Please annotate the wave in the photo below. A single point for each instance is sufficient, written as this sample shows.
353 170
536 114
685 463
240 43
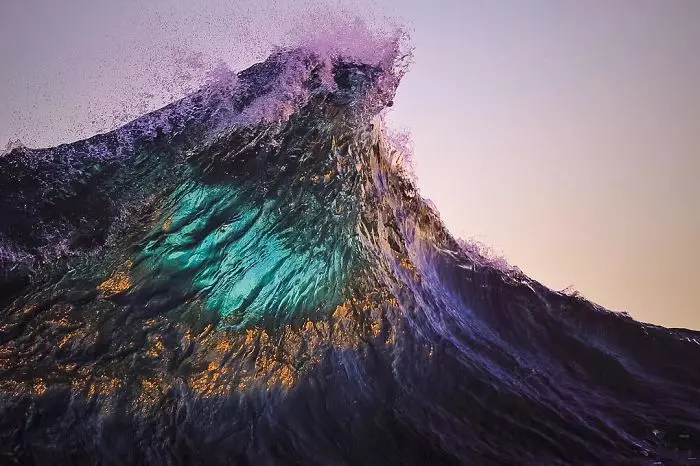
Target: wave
250 276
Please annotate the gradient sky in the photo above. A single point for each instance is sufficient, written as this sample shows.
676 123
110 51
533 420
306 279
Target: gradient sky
565 134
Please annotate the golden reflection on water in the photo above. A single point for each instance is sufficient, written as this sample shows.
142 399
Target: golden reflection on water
118 282
212 361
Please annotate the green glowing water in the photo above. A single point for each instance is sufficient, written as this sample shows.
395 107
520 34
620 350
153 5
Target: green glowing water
249 257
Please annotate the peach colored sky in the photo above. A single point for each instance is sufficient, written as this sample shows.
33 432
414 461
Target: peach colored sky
565 134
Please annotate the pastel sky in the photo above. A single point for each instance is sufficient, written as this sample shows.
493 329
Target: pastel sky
565 134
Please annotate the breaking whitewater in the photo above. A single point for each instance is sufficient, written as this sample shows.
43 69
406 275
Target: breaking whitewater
249 276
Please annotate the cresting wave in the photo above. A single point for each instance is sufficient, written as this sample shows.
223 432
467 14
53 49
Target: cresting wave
249 276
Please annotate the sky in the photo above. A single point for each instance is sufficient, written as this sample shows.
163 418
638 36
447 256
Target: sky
564 134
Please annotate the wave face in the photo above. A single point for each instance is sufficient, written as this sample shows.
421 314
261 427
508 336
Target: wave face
249 276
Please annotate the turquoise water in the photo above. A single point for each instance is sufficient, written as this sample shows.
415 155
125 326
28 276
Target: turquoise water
246 257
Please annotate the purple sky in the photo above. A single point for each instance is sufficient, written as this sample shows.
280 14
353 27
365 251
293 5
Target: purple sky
565 134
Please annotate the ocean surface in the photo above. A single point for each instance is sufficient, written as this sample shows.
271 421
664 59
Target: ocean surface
249 276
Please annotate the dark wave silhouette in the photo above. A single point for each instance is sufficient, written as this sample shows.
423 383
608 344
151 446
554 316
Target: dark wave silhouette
249 276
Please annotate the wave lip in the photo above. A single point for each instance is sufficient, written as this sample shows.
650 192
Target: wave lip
247 276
